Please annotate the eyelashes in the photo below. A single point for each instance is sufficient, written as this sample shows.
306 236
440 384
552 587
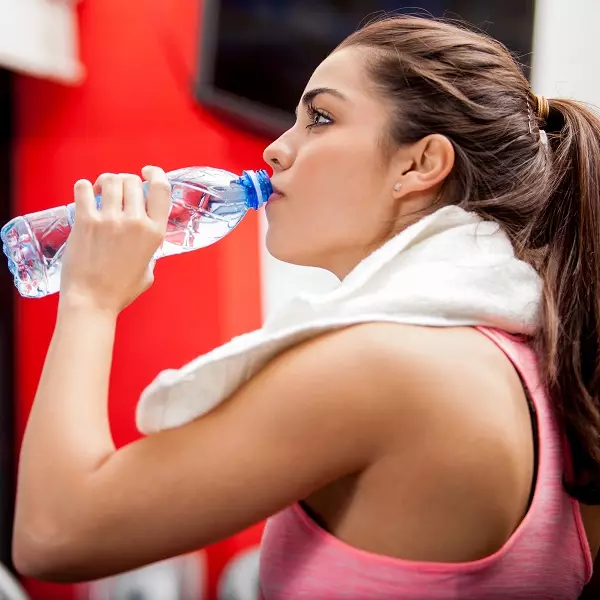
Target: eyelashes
317 117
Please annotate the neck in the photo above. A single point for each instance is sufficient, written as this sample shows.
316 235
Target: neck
343 264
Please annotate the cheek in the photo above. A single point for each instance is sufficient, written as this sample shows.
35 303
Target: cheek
337 168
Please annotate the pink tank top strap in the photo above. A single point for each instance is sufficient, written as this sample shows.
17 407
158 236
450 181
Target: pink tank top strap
523 358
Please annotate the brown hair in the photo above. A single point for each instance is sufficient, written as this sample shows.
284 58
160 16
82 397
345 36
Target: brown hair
542 188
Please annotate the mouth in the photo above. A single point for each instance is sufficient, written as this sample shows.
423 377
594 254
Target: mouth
276 195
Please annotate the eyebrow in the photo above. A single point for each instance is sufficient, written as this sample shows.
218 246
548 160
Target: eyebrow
309 96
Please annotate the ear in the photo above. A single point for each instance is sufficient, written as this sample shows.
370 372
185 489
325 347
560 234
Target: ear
425 165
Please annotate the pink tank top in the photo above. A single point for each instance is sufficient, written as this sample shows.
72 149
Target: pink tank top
546 558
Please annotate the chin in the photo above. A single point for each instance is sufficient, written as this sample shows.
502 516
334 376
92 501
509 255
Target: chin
286 251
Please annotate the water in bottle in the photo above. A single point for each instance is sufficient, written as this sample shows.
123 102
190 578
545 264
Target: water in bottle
206 204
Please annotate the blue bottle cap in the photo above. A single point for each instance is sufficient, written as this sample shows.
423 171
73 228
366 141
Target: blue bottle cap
257 185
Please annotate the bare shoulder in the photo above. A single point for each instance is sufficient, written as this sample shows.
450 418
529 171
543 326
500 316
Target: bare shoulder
441 370
449 391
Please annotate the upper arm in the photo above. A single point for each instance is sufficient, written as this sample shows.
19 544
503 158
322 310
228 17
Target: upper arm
311 416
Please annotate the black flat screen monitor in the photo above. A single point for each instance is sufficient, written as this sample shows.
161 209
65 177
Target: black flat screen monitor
255 56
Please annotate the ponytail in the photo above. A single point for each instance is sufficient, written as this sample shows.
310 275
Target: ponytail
568 343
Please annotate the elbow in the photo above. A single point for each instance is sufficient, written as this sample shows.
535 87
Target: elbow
45 555
27 560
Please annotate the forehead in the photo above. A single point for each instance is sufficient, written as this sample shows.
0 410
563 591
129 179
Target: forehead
345 71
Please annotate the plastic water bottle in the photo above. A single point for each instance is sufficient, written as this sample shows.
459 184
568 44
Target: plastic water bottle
207 204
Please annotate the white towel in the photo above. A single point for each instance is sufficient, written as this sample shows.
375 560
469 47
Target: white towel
451 268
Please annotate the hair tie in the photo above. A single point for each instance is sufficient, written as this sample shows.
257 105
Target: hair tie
542 107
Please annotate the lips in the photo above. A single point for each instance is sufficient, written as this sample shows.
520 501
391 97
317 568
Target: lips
276 195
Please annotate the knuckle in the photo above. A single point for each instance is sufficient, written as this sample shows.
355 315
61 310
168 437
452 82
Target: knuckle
140 226
130 177
112 222
113 180
137 223
88 219
107 178
161 187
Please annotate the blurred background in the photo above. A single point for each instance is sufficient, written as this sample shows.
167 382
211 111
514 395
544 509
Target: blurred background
112 85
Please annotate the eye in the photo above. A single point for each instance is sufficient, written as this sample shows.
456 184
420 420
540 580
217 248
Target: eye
317 117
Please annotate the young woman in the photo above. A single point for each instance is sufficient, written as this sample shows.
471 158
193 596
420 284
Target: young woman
396 461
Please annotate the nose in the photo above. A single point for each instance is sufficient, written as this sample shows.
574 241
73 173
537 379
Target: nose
279 155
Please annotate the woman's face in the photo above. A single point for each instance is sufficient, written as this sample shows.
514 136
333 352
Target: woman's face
337 201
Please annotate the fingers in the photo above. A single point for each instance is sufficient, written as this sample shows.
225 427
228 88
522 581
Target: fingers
124 193
85 203
133 196
158 201
110 187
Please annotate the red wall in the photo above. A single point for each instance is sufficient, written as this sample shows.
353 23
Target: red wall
136 107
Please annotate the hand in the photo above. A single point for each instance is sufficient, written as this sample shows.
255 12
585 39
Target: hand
108 257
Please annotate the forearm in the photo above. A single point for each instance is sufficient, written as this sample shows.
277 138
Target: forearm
68 433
